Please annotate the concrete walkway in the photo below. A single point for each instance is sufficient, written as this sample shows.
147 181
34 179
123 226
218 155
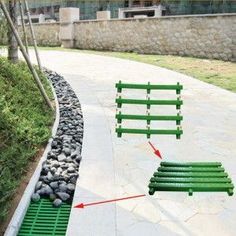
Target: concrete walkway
115 168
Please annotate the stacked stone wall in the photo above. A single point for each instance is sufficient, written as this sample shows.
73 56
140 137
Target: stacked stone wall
47 34
206 36
209 36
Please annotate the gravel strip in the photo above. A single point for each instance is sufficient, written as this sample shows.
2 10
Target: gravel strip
60 171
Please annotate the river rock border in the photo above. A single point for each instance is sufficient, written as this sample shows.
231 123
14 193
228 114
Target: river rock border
60 170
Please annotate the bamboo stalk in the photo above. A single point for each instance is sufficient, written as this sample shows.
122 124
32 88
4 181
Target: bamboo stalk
18 39
33 34
23 27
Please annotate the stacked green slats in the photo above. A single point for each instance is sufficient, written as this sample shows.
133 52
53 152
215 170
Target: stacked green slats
191 177
43 219
149 102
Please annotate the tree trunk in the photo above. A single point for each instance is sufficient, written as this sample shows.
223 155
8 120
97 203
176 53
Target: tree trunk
13 46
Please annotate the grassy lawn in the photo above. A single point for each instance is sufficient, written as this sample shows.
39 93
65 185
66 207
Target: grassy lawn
25 123
219 73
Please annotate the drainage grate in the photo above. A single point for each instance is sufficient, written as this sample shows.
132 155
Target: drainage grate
43 219
148 102
191 177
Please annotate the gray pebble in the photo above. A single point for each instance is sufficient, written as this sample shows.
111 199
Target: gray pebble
38 185
57 202
63 187
49 176
67 151
71 169
54 185
35 197
52 196
61 157
71 187
63 196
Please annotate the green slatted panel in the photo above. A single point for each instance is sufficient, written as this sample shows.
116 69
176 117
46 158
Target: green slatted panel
43 219
148 102
191 177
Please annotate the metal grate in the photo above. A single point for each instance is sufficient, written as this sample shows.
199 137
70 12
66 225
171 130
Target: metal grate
191 177
43 219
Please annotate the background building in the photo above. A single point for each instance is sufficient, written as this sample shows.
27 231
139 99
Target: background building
88 8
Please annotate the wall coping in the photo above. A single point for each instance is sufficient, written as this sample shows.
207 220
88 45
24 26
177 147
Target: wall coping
159 17
46 23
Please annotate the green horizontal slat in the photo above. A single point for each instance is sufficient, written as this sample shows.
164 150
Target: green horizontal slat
148 117
193 164
193 186
190 174
149 102
191 169
149 86
147 131
190 180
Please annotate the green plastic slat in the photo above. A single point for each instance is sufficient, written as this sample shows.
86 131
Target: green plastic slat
148 102
149 86
121 117
149 132
190 174
43 219
199 187
190 177
190 180
191 169
193 164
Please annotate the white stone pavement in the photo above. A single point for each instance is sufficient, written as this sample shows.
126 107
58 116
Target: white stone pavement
118 167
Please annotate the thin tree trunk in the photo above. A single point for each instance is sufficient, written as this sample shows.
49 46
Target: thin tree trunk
23 27
33 34
13 45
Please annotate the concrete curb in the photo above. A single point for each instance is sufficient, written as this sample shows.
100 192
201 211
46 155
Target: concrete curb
23 205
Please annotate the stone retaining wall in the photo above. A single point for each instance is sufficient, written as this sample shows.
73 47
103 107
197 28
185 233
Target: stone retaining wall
210 36
47 34
207 36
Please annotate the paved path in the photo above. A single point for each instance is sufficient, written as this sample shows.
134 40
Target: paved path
114 168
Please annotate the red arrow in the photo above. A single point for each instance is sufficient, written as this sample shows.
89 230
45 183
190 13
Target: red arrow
82 205
156 151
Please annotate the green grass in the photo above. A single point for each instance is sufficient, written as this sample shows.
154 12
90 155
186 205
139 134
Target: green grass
216 72
25 123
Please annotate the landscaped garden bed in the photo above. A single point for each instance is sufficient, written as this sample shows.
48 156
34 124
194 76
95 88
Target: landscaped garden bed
25 127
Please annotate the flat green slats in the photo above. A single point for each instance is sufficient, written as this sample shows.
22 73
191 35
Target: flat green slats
191 177
149 132
190 174
191 169
148 102
191 180
149 86
191 164
121 101
120 117
43 219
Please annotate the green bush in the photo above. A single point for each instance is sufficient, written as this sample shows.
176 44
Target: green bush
25 122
